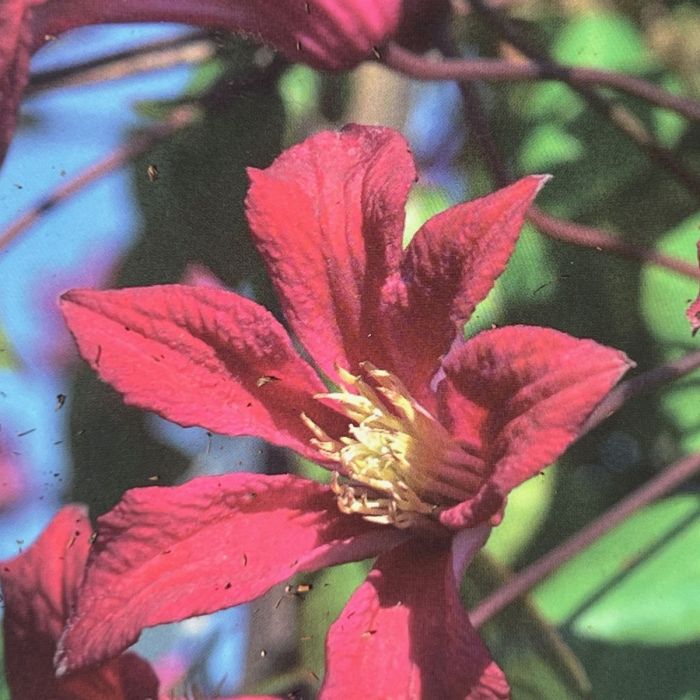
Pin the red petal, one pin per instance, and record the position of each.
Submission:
(328, 218)
(199, 356)
(327, 34)
(166, 554)
(449, 267)
(405, 634)
(693, 311)
(126, 677)
(39, 588)
(523, 393)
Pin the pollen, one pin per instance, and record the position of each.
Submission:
(397, 464)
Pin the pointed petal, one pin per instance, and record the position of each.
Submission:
(39, 588)
(328, 216)
(200, 356)
(693, 311)
(405, 634)
(524, 392)
(166, 554)
(449, 267)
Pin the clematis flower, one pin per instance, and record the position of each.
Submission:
(424, 433)
(326, 34)
(693, 311)
(39, 588)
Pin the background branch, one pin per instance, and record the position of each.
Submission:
(648, 381)
(523, 581)
(140, 143)
(617, 114)
(193, 47)
(551, 226)
(590, 237)
(499, 70)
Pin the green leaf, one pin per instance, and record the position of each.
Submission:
(663, 300)
(535, 659)
(321, 606)
(423, 203)
(638, 584)
(665, 295)
(529, 277)
(681, 406)
(548, 145)
(669, 126)
(602, 40)
(299, 87)
(526, 511)
(4, 690)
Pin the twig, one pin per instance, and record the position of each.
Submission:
(558, 229)
(617, 114)
(190, 48)
(647, 381)
(672, 477)
(498, 70)
(139, 144)
(660, 485)
(214, 99)
(589, 237)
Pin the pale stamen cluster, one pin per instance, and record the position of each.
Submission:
(399, 465)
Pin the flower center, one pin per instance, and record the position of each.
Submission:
(399, 465)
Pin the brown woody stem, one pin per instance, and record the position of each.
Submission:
(139, 144)
(668, 480)
(497, 70)
(647, 381)
(193, 47)
(589, 237)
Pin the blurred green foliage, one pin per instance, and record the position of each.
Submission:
(602, 179)
(638, 584)
(534, 657)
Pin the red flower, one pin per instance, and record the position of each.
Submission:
(326, 34)
(426, 433)
(693, 311)
(39, 588)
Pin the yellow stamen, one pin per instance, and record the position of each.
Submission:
(399, 465)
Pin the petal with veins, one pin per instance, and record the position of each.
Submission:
(327, 34)
(328, 217)
(523, 392)
(449, 267)
(166, 554)
(200, 356)
(39, 588)
(405, 634)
